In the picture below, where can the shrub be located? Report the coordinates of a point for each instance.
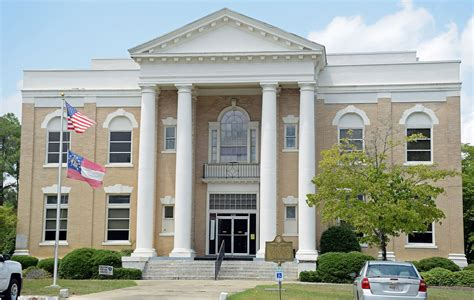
(469, 267)
(336, 267)
(339, 239)
(125, 252)
(104, 257)
(309, 276)
(463, 278)
(34, 272)
(48, 264)
(436, 262)
(77, 264)
(25, 261)
(124, 273)
(438, 276)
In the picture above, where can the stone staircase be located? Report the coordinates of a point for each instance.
(171, 269)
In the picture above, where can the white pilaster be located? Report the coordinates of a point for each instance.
(146, 175)
(184, 176)
(306, 171)
(268, 164)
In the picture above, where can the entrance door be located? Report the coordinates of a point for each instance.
(235, 231)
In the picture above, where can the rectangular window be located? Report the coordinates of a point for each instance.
(53, 146)
(50, 218)
(290, 225)
(253, 145)
(170, 137)
(214, 146)
(422, 237)
(168, 219)
(291, 141)
(233, 201)
(169, 212)
(120, 148)
(352, 138)
(290, 212)
(419, 149)
(118, 218)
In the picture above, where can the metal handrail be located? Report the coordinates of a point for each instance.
(219, 260)
(231, 170)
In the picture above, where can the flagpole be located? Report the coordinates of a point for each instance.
(59, 196)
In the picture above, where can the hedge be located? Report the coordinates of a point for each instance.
(469, 267)
(443, 277)
(77, 264)
(339, 239)
(104, 257)
(25, 261)
(336, 267)
(34, 272)
(125, 273)
(427, 264)
(48, 264)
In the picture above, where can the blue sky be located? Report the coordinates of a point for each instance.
(47, 34)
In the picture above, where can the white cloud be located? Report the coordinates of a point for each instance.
(410, 28)
(12, 103)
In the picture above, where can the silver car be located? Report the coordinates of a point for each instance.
(389, 280)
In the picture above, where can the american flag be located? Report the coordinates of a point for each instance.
(77, 121)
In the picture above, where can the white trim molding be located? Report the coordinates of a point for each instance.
(290, 119)
(167, 200)
(53, 189)
(458, 258)
(120, 113)
(350, 109)
(118, 189)
(290, 200)
(170, 121)
(419, 108)
(390, 255)
(50, 116)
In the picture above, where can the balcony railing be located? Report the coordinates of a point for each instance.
(231, 170)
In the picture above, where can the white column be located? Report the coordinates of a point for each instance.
(306, 171)
(184, 166)
(146, 175)
(268, 166)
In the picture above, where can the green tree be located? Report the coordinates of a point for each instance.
(380, 199)
(7, 228)
(468, 199)
(9, 157)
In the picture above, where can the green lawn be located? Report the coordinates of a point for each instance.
(76, 287)
(331, 291)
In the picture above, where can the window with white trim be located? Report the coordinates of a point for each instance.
(290, 131)
(351, 132)
(120, 140)
(422, 237)
(167, 220)
(118, 218)
(170, 137)
(291, 215)
(53, 136)
(419, 150)
(234, 138)
(50, 210)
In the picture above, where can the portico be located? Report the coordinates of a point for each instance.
(201, 57)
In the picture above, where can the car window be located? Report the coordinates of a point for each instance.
(383, 270)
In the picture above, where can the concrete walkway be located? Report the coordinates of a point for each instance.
(176, 289)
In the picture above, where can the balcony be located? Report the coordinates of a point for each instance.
(231, 172)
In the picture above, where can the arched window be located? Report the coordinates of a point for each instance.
(53, 128)
(233, 138)
(419, 150)
(351, 131)
(120, 140)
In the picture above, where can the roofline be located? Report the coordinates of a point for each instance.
(371, 53)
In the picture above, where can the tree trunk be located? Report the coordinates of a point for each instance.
(383, 244)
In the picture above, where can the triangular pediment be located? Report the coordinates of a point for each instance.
(226, 31)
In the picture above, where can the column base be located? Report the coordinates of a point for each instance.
(138, 262)
(260, 254)
(21, 252)
(183, 253)
(458, 258)
(390, 255)
(144, 252)
(306, 255)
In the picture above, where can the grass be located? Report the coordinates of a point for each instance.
(331, 291)
(76, 287)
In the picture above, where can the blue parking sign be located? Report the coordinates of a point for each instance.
(279, 275)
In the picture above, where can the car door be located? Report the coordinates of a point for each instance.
(4, 275)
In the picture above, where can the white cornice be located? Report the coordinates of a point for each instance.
(290, 200)
(290, 119)
(169, 121)
(167, 200)
(118, 189)
(53, 189)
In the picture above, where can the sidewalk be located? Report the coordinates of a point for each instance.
(176, 289)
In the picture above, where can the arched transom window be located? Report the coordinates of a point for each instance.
(233, 138)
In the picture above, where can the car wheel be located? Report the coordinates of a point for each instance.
(13, 290)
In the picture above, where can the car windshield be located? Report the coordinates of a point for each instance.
(384, 270)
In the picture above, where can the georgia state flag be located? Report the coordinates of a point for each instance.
(80, 168)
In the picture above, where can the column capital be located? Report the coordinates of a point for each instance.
(269, 85)
(149, 88)
(184, 87)
(307, 85)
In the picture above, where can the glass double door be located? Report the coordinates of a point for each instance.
(234, 230)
